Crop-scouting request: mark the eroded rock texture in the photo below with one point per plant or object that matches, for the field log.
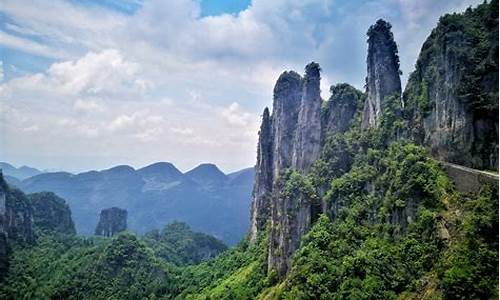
(452, 96)
(382, 80)
(307, 144)
(263, 178)
(290, 139)
(16, 214)
(16, 221)
(111, 221)
(286, 105)
(338, 116)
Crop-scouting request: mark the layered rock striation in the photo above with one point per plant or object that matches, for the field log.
(451, 98)
(450, 106)
(290, 140)
(307, 142)
(263, 178)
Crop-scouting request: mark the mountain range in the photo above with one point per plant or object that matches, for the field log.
(204, 197)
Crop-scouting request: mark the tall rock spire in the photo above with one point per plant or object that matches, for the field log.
(383, 72)
(111, 222)
(263, 178)
(286, 105)
(308, 135)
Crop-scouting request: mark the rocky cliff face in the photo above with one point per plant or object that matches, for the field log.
(456, 121)
(16, 221)
(308, 135)
(452, 96)
(16, 214)
(111, 221)
(263, 178)
(338, 116)
(286, 105)
(291, 139)
(383, 72)
(51, 213)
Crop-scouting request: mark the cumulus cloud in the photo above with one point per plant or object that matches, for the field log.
(235, 116)
(165, 83)
(96, 73)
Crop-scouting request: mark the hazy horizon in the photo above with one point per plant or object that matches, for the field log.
(93, 84)
(49, 170)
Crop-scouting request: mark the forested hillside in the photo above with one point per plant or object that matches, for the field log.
(351, 199)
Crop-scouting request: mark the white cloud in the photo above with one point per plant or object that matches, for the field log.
(105, 74)
(1, 71)
(234, 115)
(88, 106)
(167, 84)
(96, 73)
(28, 46)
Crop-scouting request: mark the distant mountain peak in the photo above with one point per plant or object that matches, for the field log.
(18, 173)
(160, 168)
(206, 169)
(119, 169)
(207, 175)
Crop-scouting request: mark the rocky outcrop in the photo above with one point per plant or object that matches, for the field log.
(111, 221)
(291, 139)
(382, 80)
(451, 99)
(51, 213)
(16, 214)
(291, 218)
(263, 178)
(300, 124)
(338, 116)
(307, 144)
(286, 105)
(290, 214)
(16, 221)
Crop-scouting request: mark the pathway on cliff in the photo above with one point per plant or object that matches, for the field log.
(469, 180)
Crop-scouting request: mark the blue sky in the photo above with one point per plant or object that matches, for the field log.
(87, 84)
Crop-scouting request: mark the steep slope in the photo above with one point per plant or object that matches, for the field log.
(452, 96)
(395, 181)
(51, 213)
(382, 80)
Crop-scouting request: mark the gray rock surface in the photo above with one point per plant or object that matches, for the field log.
(111, 221)
(286, 105)
(294, 142)
(290, 220)
(307, 143)
(452, 96)
(341, 108)
(261, 195)
(383, 72)
(16, 221)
